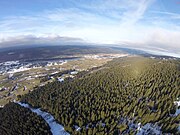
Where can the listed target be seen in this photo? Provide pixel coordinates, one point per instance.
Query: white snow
(149, 129)
(56, 128)
(63, 63)
(10, 75)
(177, 103)
(54, 73)
(7, 63)
(60, 79)
(177, 110)
(104, 56)
(18, 70)
(74, 73)
(77, 128)
(139, 126)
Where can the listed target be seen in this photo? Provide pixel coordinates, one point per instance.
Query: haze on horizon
(152, 25)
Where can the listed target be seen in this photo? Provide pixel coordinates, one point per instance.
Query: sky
(152, 25)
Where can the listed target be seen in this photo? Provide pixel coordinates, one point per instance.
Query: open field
(23, 82)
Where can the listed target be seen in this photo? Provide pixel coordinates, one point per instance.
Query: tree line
(134, 88)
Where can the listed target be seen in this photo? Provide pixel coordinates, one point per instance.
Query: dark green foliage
(17, 120)
(136, 88)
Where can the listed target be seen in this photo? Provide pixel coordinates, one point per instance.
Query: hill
(50, 52)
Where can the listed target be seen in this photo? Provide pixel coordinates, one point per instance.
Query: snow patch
(8, 63)
(60, 79)
(56, 128)
(73, 72)
(77, 128)
(18, 70)
(149, 129)
(177, 103)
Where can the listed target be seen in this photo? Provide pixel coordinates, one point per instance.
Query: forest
(126, 89)
(17, 120)
(35, 53)
(107, 100)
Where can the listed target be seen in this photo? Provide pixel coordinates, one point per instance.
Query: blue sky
(152, 25)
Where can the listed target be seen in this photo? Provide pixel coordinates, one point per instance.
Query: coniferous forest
(17, 120)
(107, 100)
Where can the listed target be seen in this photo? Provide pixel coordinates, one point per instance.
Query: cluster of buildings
(12, 67)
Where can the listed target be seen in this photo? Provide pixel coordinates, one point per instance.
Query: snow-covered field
(12, 67)
(56, 128)
(149, 129)
(177, 103)
(104, 56)
(18, 70)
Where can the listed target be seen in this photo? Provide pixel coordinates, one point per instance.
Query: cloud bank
(124, 22)
(42, 40)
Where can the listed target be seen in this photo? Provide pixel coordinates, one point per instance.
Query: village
(18, 78)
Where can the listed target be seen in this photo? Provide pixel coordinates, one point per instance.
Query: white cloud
(135, 11)
(40, 40)
(168, 14)
(102, 21)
